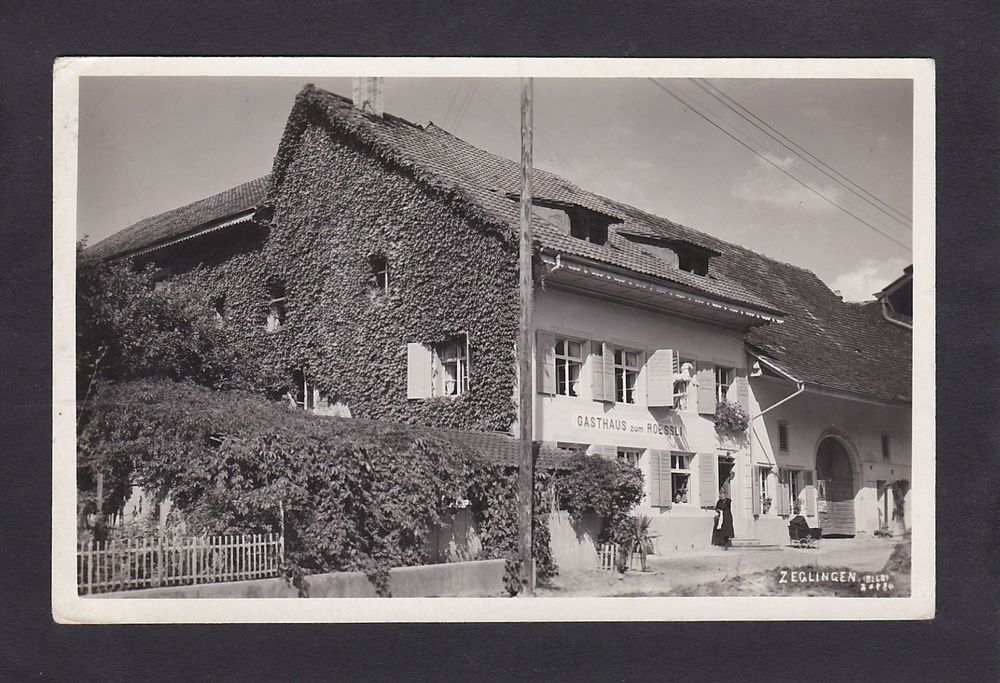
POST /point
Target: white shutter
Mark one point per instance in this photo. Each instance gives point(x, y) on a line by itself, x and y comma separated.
point(708, 490)
point(757, 503)
point(418, 371)
point(655, 492)
point(743, 390)
point(602, 360)
point(783, 493)
point(608, 356)
point(706, 388)
point(545, 362)
point(660, 379)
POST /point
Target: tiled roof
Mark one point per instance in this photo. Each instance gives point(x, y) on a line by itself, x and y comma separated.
point(824, 341)
point(488, 180)
point(498, 448)
point(176, 223)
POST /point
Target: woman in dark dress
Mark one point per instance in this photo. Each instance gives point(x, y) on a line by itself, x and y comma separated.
point(722, 533)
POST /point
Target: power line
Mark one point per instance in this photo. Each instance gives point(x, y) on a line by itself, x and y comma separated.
point(465, 108)
point(802, 153)
point(777, 166)
point(454, 95)
point(536, 132)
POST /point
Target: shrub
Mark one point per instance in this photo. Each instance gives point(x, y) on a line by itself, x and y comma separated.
point(605, 487)
point(356, 495)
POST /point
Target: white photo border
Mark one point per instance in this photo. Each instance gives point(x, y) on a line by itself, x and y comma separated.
point(69, 607)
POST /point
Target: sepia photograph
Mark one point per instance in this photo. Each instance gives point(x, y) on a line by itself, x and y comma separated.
point(557, 339)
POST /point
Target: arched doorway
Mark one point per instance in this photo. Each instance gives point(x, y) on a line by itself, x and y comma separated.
point(835, 488)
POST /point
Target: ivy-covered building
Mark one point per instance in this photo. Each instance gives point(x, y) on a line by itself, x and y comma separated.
point(373, 273)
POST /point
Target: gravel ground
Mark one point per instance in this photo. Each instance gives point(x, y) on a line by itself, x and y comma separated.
point(742, 571)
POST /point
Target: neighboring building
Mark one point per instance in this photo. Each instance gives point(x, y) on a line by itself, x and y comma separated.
point(373, 273)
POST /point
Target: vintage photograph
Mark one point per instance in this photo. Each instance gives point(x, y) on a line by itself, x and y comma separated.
point(493, 335)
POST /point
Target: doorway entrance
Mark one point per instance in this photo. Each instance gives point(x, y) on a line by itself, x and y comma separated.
point(835, 488)
point(726, 467)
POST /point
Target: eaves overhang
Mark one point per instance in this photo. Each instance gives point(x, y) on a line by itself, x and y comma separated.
point(240, 218)
point(607, 282)
point(817, 388)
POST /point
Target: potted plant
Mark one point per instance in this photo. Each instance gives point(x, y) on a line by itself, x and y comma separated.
point(730, 419)
point(643, 539)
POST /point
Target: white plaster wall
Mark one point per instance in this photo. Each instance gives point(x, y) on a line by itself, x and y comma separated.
point(568, 419)
point(859, 424)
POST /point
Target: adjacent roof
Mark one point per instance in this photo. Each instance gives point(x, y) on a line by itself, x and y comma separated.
point(497, 447)
point(185, 220)
point(824, 341)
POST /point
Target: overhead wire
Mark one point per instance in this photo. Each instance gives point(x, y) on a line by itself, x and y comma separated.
point(798, 180)
point(801, 152)
point(454, 95)
point(548, 144)
point(468, 100)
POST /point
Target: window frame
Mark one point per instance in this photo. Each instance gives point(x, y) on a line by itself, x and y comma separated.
point(461, 365)
point(379, 265)
point(629, 456)
point(763, 474)
point(722, 389)
point(626, 371)
point(568, 362)
point(784, 444)
point(790, 476)
point(277, 311)
point(677, 472)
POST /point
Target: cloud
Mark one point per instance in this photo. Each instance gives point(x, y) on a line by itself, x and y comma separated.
point(765, 184)
point(868, 277)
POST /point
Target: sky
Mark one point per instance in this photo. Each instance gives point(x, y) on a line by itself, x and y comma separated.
point(150, 144)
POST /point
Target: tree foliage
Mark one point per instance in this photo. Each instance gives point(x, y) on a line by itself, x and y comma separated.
point(127, 328)
point(608, 488)
point(356, 495)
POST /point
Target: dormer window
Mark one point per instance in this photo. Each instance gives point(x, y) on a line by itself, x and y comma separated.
point(679, 253)
point(692, 262)
point(571, 219)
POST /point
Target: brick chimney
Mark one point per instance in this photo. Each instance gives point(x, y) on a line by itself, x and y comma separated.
point(366, 92)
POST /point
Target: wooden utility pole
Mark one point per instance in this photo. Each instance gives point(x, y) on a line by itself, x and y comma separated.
point(526, 473)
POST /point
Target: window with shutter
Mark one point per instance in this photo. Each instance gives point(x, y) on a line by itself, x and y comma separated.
point(680, 477)
point(660, 378)
point(708, 490)
point(724, 378)
point(545, 362)
point(452, 362)
point(706, 388)
point(568, 365)
point(626, 375)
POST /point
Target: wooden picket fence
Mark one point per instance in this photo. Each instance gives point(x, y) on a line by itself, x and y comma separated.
point(131, 563)
point(608, 553)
